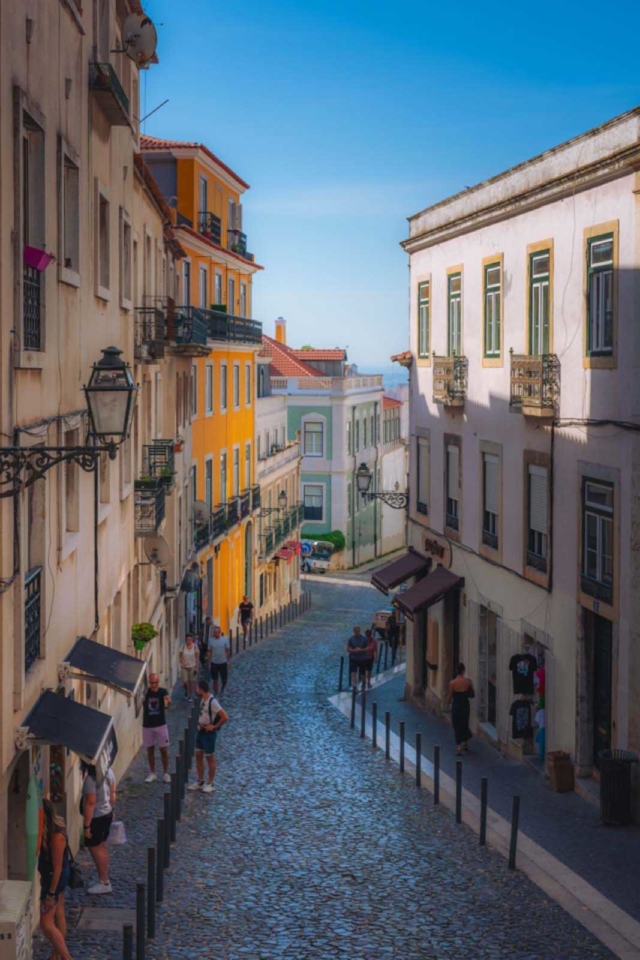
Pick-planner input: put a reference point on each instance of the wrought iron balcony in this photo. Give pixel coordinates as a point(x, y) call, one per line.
point(237, 242)
point(450, 380)
point(245, 503)
point(149, 506)
point(210, 226)
point(32, 616)
point(234, 514)
point(535, 384)
point(159, 462)
point(149, 334)
point(224, 326)
point(187, 329)
point(598, 589)
point(537, 562)
point(266, 543)
point(201, 535)
point(218, 522)
point(255, 497)
point(107, 89)
point(31, 309)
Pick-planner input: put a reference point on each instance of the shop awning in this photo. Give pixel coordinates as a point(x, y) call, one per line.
point(60, 720)
point(89, 660)
point(428, 591)
point(285, 554)
point(293, 545)
point(410, 564)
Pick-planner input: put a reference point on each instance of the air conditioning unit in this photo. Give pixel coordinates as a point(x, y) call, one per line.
point(15, 920)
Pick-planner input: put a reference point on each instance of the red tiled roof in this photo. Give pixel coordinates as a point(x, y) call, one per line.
point(284, 363)
point(400, 357)
point(157, 143)
point(313, 354)
point(390, 402)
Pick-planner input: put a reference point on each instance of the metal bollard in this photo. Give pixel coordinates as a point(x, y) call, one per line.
point(379, 659)
point(188, 756)
point(181, 767)
point(231, 641)
point(250, 632)
point(174, 807)
point(353, 707)
point(127, 942)
point(402, 746)
point(363, 715)
point(167, 830)
point(244, 640)
point(436, 775)
point(515, 815)
point(484, 786)
point(374, 721)
point(418, 759)
point(140, 924)
point(387, 735)
point(386, 654)
point(159, 860)
point(178, 776)
point(341, 674)
point(458, 791)
point(151, 892)
point(237, 642)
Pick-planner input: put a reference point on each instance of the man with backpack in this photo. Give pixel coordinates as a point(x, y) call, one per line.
point(210, 719)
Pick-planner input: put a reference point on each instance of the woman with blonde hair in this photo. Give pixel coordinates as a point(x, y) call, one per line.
point(54, 862)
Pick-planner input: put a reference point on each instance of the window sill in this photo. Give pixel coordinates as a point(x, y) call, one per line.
point(452, 534)
point(600, 363)
point(29, 359)
point(423, 361)
point(103, 293)
point(126, 490)
point(125, 304)
point(208, 413)
point(492, 362)
point(70, 544)
point(70, 277)
point(104, 509)
point(607, 610)
point(536, 576)
point(490, 553)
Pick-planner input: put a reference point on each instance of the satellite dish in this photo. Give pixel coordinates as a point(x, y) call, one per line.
point(201, 511)
point(139, 39)
point(157, 550)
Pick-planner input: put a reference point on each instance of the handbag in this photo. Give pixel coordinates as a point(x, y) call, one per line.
point(75, 873)
point(117, 833)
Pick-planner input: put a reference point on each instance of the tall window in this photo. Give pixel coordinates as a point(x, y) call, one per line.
point(208, 482)
point(72, 485)
point(231, 305)
point(223, 386)
point(247, 384)
point(600, 295)
point(349, 436)
point(186, 282)
point(492, 309)
point(538, 520)
point(103, 265)
point(247, 465)
point(349, 496)
point(539, 303)
point(125, 259)
point(236, 471)
point(218, 289)
point(70, 205)
point(204, 194)
point(194, 390)
point(423, 319)
point(243, 299)
point(357, 436)
point(313, 501)
point(422, 503)
point(364, 433)
point(453, 486)
point(455, 314)
point(202, 288)
point(209, 388)
point(236, 385)
point(223, 477)
point(490, 496)
point(313, 438)
point(597, 531)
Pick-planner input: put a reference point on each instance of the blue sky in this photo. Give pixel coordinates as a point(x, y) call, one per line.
point(346, 118)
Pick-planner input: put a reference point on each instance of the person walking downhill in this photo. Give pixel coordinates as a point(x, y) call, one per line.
point(357, 650)
point(219, 656)
point(97, 811)
point(460, 693)
point(210, 719)
point(188, 666)
point(54, 865)
point(245, 611)
point(372, 649)
point(155, 731)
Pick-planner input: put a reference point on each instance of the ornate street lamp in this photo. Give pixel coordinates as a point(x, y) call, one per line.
point(282, 505)
point(394, 498)
point(111, 396)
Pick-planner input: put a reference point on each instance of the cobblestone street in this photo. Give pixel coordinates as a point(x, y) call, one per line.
point(313, 846)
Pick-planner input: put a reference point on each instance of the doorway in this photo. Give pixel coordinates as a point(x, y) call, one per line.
point(602, 686)
point(18, 793)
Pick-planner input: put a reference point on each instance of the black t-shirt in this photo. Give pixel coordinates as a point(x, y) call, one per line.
point(246, 610)
point(523, 667)
point(521, 724)
point(153, 708)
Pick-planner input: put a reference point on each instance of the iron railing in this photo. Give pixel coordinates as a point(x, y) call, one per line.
point(210, 226)
point(225, 326)
point(32, 616)
point(234, 515)
point(597, 589)
point(159, 462)
point(218, 522)
point(31, 309)
point(274, 536)
point(245, 503)
point(451, 521)
point(201, 535)
point(490, 539)
point(187, 326)
point(237, 241)
point(149, 506)
point(149, 334)
point(255, 497)
point(537, 562)
point(535, 382)
point(449, 379)
point(104, 82)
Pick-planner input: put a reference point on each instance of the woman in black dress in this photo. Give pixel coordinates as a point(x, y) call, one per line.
point(460, 693)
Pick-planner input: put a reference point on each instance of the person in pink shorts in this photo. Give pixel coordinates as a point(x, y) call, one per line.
point(155, 732)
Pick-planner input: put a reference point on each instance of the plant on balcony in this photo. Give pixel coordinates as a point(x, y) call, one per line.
point(336, 537)
point(178, 445)
point(142, 634)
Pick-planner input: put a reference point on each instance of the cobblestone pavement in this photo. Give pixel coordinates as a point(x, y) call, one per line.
point(312, 846)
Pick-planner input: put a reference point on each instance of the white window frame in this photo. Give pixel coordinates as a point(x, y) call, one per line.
point(102, 194)
point(597, 277)
point(218, 288)
point(125, 225)
point(243, 298)
point(490, 518)
point(248, 384)
point(235, 386)
point(248, 466)
point(537, 540)
point(224, 487)
point(203, 286)
point(236, 485)
point(321, 432)
point(322, 487)
point(603, 516)
point(208, 389)
point(224, 387)
point(68, 158)
point(208, 462)
point(186, 281)
point(424, 307)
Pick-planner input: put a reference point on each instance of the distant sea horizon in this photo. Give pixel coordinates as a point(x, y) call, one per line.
point(393, 376)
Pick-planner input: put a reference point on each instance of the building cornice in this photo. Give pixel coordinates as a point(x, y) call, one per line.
point(190, 238)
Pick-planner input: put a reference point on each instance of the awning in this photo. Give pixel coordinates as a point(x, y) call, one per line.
point(294, 545)
point(60, 720)
point(120, 671)
point(410, 564)
point(428, 591)
point(285, 554)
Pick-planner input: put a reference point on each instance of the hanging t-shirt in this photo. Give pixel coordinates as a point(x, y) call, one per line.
point(521, 725)
point(523, 667)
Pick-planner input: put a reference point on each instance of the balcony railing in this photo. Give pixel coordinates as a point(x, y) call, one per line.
point(201, 535)
point(210, 226)
point(535, 384)
point(537, 562)
point(159, 462)
point(490, 539)
point(450, 380)
point(149, 334)
point(245, 503)
point(255, 497)
point(597, 589)
point(280, 530)
point(149, 506)
point(218, 522)
point(31, 309)
point(107, 89)
point(224, 326)
point(187, 328)
point(451, 521)
point(237, 242)
point(234, 514)
point(32, 616)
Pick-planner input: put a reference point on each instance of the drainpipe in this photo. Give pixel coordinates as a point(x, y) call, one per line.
point(551, 465)
point(353, 488)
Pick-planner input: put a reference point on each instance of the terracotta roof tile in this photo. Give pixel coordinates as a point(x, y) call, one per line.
point(390, 402)
point(336, 354)
point(157, 143)
point(284, 363)
point(400, 357)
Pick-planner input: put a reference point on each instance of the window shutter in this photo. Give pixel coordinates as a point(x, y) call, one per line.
point(453, 472)
point(538, 498)
point(423, 471)
point(491, 467)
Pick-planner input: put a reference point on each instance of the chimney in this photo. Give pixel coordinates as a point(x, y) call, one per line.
point(281, 330)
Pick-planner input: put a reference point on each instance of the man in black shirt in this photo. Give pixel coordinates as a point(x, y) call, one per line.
point(155, 732)
point(246, 614)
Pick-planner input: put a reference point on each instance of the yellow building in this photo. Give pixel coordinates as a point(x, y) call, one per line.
point(214, 305)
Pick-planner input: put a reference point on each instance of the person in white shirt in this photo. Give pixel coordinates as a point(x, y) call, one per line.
point(219, 656)
point(210, 719)
point(188, 665)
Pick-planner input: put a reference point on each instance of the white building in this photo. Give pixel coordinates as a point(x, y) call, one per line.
point(525, 458)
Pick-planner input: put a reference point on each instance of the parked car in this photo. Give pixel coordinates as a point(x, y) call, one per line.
point(319, 559)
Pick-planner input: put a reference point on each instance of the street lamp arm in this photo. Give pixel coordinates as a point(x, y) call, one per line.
point(20, 467)
point(393, 498)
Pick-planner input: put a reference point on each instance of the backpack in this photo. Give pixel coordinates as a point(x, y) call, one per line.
point(212, 719)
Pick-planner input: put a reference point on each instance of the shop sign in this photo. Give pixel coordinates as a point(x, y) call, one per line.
point(439, 549)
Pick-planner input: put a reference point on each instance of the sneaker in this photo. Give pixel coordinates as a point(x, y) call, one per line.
point(151, 778)
point(100, 887)
point(208, 788)
point(166, 777)
point(196, 785)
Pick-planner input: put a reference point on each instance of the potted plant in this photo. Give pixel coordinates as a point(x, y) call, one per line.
point(178, 444)
point(38, 259)
point(142, 634)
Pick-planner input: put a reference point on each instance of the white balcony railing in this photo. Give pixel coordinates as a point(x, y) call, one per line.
point(336, 386)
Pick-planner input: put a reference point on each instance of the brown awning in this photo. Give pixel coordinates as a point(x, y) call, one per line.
point(428, 591)
point(411, 564)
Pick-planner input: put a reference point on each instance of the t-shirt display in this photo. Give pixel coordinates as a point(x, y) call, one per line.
point(520, 713)
point(153, 706)
point(523, 667)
